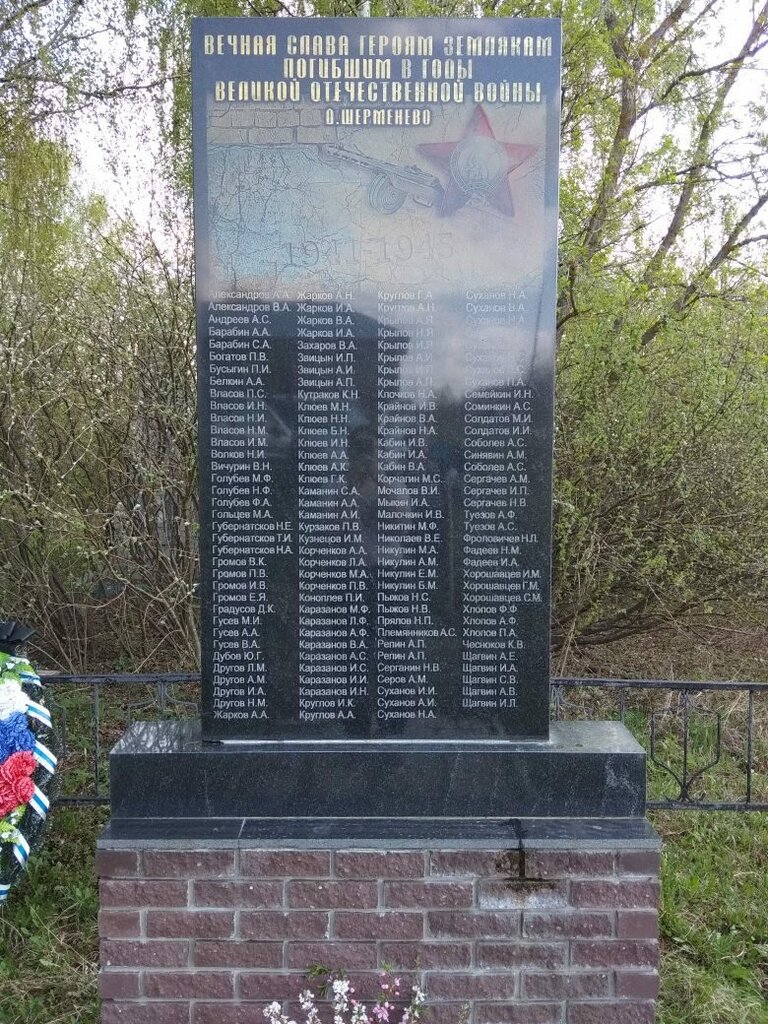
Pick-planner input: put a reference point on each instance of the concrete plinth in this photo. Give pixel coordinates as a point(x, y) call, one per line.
point(584, 770)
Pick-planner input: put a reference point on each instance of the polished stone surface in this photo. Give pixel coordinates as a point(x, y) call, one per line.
point(585, 770)
point(376, 347)
point(381, 833)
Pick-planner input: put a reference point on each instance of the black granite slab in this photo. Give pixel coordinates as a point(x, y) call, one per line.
point(375, 292)
point(380, 833)
point(585, 770)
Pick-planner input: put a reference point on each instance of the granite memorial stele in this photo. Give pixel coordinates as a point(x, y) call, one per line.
point(375, 231)
point(376, 210)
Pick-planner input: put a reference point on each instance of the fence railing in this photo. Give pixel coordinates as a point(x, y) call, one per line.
point(707, 742)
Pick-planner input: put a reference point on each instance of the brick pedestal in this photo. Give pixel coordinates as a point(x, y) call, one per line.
point(524, 935)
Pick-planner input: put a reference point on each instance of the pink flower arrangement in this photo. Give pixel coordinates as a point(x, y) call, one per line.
point(349, 1010)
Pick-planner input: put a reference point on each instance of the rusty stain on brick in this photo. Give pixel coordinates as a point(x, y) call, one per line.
point(508, 862)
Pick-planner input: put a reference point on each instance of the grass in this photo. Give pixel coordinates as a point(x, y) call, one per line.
point(48, 936)
point(714, 920)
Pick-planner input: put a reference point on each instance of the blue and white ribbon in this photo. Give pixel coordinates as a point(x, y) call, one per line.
point(30, 677)
point(4, 890)
point(21, 850)
point(40, 712)
point(44, 757)
point(40, 802)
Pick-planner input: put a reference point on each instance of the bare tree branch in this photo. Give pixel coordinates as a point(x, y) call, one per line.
point(708, 128)
point(693, 291)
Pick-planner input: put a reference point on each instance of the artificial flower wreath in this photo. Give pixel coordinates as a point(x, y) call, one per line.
point(27, 762)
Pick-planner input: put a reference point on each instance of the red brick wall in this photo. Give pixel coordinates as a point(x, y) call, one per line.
point(210, 937)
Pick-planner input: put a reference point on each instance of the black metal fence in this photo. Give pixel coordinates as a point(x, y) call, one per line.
point(707, 742)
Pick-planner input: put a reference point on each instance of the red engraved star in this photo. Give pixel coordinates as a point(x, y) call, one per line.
point(478, 165)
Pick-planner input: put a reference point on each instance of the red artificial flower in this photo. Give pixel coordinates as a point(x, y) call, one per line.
point(16, 786)
point(17, 766)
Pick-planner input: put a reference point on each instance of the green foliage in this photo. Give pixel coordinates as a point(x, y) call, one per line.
point(660, 467)
point(98, 503)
